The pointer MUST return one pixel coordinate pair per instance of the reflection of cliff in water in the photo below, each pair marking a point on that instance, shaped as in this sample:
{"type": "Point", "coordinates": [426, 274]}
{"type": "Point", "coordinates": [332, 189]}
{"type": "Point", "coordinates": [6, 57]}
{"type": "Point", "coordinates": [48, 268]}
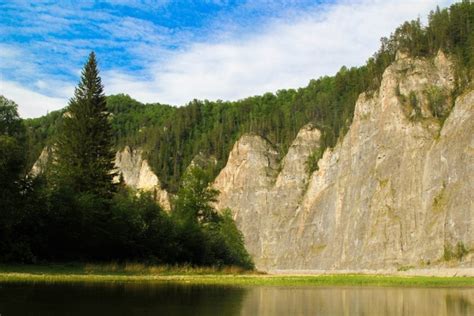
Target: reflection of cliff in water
{"type": "Point", "coordinates": [358, 301]}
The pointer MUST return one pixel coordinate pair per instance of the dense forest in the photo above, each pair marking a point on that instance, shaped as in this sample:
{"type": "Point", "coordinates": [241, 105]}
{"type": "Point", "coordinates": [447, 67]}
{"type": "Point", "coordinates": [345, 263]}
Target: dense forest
{"type": "Point", "coordinates": [60, 217]}
{"type": "Point", "coordinates": [76, 211]}
{"type": "Point", "coordinates": [173, 136]}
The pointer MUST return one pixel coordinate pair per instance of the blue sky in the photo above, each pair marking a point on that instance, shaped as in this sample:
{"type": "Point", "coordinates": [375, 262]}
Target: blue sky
{"type": "Point", "coordinates": [175, 51]}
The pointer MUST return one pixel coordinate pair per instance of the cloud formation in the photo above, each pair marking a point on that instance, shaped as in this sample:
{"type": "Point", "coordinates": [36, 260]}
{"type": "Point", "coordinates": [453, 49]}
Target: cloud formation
{"type": "Point", "coordinates": [284, 53]}
{"type": "Point", "coordinates": [227, 59]}
{"type": "Point", "coordinates": [31, 103]}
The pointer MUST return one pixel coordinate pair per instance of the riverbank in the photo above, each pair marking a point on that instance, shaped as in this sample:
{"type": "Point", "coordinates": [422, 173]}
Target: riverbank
{"type": "Point", "coordinates": [88, 273]}
{"type": "Point", "coordinates": [405, 271]}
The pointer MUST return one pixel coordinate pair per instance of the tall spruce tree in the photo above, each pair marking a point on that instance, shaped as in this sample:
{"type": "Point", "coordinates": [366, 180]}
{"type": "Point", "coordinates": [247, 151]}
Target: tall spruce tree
{"type": "Point", "coordinates": [84, 155]}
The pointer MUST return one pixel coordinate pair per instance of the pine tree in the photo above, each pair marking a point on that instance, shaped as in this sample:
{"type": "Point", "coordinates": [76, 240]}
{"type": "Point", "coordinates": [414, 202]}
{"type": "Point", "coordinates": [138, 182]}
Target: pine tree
{"type": "Point", "coordinates": [84, 156]}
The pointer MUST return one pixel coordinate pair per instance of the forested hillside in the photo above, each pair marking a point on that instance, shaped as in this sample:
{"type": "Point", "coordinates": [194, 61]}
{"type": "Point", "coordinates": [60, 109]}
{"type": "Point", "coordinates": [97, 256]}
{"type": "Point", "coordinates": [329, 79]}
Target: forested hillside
{"type": "Point", "coordinates": [173, 136]}
{"type": "Point", "coordinates": [75, 211]}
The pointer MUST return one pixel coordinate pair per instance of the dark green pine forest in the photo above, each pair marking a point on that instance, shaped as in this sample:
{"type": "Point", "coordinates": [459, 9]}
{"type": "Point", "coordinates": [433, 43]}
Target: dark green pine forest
{"type": "Point", "coordinates": [74, 212]}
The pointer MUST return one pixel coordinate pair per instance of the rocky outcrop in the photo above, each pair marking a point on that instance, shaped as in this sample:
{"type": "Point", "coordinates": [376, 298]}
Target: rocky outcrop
{"type": "Point", "coordinates": [131, 166]}
{"type": "Point", "coordinates": [396, 191]}
{"type": "Point", "coordinates": [264, 198]}
{"type": "Point", "coordinates": [41, 163]}
{"type": "Point", "coordinates": [137, 174]}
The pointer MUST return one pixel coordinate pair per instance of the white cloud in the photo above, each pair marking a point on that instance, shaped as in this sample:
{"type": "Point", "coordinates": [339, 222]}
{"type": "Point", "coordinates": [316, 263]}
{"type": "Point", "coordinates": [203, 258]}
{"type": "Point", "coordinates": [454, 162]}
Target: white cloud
{"type": "Point", "coordinates": [30, 103]}
{"type": "Point", "coordinates": [232, 62]}
{"type": "Point", "coordinates": [285, 53]}
{"type": "Point", "coordinates": [45, 94]}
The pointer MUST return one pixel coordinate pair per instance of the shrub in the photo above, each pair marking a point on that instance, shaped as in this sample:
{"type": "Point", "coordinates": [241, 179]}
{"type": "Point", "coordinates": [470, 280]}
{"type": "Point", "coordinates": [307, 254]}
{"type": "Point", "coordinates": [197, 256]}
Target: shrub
{"type": "Point", "coordinates": [312, 162]}
{"type": "Point", "coordinates": [457, 252]}
{"type": "Point", "coordinates": [437, 100]}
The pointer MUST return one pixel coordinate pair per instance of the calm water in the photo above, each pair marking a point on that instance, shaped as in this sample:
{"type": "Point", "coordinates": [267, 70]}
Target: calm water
{"type": "Point", "coordinates": [171, 299]}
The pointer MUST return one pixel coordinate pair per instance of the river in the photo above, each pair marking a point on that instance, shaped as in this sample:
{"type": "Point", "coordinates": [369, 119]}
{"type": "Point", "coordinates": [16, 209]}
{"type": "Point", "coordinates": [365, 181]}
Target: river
{"type": "Point", "coordinates": [178, 299]}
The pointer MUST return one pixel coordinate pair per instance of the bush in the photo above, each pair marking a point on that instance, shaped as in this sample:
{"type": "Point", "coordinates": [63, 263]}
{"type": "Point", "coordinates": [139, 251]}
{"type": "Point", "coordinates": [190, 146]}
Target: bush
{"type": "Point", "coordinates": [233, 243]}
{"type": "Point", "coordinates": [457, 252]}
{"type": "Point", "coordinates": [437, 102]}
{"type": "Point", "coordinates": [313, 159]}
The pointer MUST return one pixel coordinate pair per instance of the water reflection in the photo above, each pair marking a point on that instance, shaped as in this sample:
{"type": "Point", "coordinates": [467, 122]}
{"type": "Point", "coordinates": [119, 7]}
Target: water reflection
{"type": "Point", "coordinates": [358, 301]}
{"type": "Point", "coordinates": [119, 299]}
{"type": "Point", "coordinates": [173, 299]}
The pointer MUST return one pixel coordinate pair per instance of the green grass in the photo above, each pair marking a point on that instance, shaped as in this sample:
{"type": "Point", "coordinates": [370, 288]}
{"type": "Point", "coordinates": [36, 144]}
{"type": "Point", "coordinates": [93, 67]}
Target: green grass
{"type": "Point", "coordinates": [90, 273]}
{"type": "Point", "coordinates": [119, 269]}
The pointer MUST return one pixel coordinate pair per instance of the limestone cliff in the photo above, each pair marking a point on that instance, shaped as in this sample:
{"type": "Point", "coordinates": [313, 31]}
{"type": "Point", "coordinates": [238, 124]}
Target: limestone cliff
{"type": "Point", "coordinates": [137, 174]}
{"type": "Point", "coordinates": [41, 163]}
{"type": "Point", "coordinates": [135, 170]}
{"type": "Point", "coordinates": [395, 191]}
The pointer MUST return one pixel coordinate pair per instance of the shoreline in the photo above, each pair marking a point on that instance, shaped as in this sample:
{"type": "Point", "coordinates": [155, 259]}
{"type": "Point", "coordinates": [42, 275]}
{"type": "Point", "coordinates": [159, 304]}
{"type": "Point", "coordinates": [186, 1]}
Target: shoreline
{"type": "Point", "coordinates": [415, 272]}
{"type": "Point", "coordinates": [344, 280]}
{"type": "Point", "coordinates": [77, 273]}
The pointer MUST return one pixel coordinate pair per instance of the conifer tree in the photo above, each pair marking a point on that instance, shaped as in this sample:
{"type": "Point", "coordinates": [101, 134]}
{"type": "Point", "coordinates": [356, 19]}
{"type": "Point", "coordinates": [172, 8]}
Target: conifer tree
{"type": "Point", "coordinates": [84, 156]}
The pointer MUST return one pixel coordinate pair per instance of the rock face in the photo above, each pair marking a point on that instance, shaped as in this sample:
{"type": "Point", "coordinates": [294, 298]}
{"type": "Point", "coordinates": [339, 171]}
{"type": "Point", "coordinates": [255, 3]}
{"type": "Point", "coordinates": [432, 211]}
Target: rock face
{"type": "Point", "coordinates": [41, 163]}
{"type": "Point", "coordinates": [137, 174]}
{"type": "Point", "coordinates": [135, 170]}
{"type": "Point", "coordinates": [396, 191]}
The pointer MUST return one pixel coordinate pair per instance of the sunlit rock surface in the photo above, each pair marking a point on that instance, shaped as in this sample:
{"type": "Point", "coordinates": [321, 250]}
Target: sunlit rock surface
{"type": "Point", "coordinates": [396, 191]}
{"type": "Point", "coordinates": [137, 174]}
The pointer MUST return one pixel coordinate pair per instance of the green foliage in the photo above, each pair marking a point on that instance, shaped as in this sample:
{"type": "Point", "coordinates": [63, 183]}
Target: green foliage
{"type": "Point", "coordinates": [41, 132]}
{"type": "Point", "coordinates": [195, 197]}
{"type": "Point", "coordinates": [11, 159]}
{"type": "Point", "coordinates": [84, 226]}
{"type": "Point", "coordinates": [10, 122]}
{"type": "Point", "coordinates": [22, 222]}
{"type": "Point", "coordinates": [74, 212]}
{"type": "Point", "coordinates": [410, 105]}
{"type": "Point", "coordinates": [228, 242]}
{"type": "Point", "coordinates": [130, 117]}
{"type": "Point", "coordinates": [457, 252]}
{"type": "Point", "coordinates": [56, 223]}
{"type": "Point", "coordinates": [312, 162]}
{"type": "Point", "coordinates": [145, 231]}
{"type": "Point", "coordinates": [437, 102]}
{"type": "Point", "coordinates": [84, 155]}
{"type": "Point", "coordinates": [413, 100]}
{"type": "Point", "coordinates": [12, 162]}
{"type": "Point", "coordinates": [12, 144]}
{"type": "Point", "coordinates": [205, 236]}
{"type": "Point", "coordinates": [448, 253]}
{"type": "Point", "coordinates": [461, 250]}
{"type": "Point", "coordinates": [405, 268]}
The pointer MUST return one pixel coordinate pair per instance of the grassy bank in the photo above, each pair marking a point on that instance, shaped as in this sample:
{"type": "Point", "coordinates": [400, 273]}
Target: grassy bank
{"type": "Point", "coordinates": [91, 273]}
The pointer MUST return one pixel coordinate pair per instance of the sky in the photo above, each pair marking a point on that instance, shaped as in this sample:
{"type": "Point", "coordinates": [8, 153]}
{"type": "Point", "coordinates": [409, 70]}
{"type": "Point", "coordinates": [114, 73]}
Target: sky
{"type": "Point", "coordinates": [172, 52]}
